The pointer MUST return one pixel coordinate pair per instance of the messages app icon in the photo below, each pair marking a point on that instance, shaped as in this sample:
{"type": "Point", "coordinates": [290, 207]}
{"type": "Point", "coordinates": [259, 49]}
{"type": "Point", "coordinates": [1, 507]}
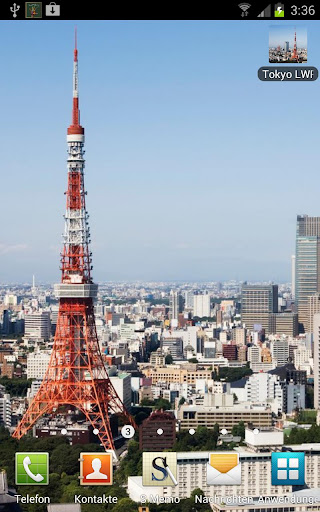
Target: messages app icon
{"type": "Point", "coordinates": [32, 468]}
{"type": "Point", "coordinates": [224, 469]}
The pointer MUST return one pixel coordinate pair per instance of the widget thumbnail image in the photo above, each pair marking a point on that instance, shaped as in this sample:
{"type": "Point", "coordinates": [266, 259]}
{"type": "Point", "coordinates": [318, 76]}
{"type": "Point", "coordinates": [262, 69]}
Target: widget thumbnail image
{"type": "Point", "coordinates": [287, 45]}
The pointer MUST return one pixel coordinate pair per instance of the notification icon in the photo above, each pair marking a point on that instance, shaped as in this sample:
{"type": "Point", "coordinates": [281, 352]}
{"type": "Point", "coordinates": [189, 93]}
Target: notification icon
{"type": "Point", "coordinates": [279, 11]}
{"type": "Point", "coordinates": [96, 468]}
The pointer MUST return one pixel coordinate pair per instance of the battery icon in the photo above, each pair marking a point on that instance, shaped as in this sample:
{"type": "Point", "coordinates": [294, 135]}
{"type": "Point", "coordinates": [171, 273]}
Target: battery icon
{"type": "Point", "coordinates": [279, 11]}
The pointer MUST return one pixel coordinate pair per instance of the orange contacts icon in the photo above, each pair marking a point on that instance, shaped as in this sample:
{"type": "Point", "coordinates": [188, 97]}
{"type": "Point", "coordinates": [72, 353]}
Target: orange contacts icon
{"type": "Point", "coordinates": [96, 468]}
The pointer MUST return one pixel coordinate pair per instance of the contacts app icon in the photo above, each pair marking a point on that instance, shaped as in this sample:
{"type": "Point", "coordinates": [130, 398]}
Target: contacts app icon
{"type": "Point", "coordinates": [96, 468]}
{"type": "Point", "coordinates": [224, 469]}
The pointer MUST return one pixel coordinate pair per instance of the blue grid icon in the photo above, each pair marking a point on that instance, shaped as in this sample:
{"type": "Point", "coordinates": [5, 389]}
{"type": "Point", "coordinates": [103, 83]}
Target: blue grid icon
{"type": "Point", "coordinates": [287, 468]}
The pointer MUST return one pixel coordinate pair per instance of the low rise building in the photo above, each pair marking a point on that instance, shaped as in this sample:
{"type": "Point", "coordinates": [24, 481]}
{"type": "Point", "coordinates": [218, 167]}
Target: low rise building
{"type": "Point", "coordinates": [193, 416]}
{"type": "Point", "coordinates": [37, 364]}
{"type": "Point", "coordinates": [149, 437]}
{"type": "Point", "coordinates": [188, 373]}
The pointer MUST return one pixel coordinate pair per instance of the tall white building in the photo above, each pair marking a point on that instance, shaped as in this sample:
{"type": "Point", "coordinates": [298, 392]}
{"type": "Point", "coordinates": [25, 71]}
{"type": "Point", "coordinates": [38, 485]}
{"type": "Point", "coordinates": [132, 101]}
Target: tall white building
{"type": "Point", "coordinates": [201, 305]}
{"type": "Point", "coordinates": [5, 408]}
{"type": "Point", "coordinates": [302, 358]}
{"type": "Point", "coordinates": [37, 364]}
{"type": "Point", "coordinates": [188, 297]}
{"type": "Point", "coordinates": [280, 352]}
{"type": "Point", "coordinates": [254, 354]}
{"type": "Point", "coordinates": [263, 388]}
{"type": "Point", "coordinates": [37, 325]}
{"type": "Point", "coordinates": [175, 303]}
{"type": "Point", "coordinates": [122, 384]}
{"type": "Point", "coordinates": [188, 335]}
{"type": "Point", "coordinates": [239, 335]}
{"type": "Point", "coordinates": [316, 362]}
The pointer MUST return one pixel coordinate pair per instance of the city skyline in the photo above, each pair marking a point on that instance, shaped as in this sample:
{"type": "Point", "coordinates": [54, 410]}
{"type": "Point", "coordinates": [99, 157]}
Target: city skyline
{"type": "Point", "coordinates": [135, 182]}
{"type": "Point", "coordinates": [278, 36]}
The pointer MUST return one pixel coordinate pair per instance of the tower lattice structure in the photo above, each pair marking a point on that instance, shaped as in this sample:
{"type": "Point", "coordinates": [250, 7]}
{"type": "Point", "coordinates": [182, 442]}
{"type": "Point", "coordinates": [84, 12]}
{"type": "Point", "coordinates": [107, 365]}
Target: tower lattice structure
{"type": "Point", "coordinates": [76, 375]}
{"type": "Point", "coordinates": [295, 55]}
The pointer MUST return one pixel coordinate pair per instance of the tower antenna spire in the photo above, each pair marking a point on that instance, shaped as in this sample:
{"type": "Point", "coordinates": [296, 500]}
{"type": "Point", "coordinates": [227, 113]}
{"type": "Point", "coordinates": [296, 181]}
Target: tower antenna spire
{"type": "Point", "coordinates": [75, 128]}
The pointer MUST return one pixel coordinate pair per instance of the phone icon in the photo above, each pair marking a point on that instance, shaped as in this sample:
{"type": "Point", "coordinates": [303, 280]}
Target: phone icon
{"type": "Point", "coordinates": [26, 464]}
{"type": "Point", "coordinates": [32, 468]}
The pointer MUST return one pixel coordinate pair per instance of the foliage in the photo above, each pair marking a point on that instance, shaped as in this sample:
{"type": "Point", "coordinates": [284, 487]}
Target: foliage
{"type": "Point", "coordinates": [307, 416]}
{"type": "Point", "coordinates": [182, 400]}
{"type": "Point", "coordinates": [15, 387]}
{"type": "Point", "coordinates": [203, 439]}
{"type": "Point", "coordinates": [193, 360]}
{"type": "Point", "coordinates": [205, 319]}
{"type": "Point", "coordinates": [232, 374]}
{"type": "Point", "coordinates": [146, 402]}
{"type": "Point", "coordinates": [131, 464]}
{"type": "Point", "coordinates": [239, 430]}
{"type": "Point", "coordinates": [299, 435]}
{"type": "Point", "coordinates": [309, 397]}
{"type": "Point", "coordinates": [168, 359]}
{"type": "Point", "coordinates": [160, 403]}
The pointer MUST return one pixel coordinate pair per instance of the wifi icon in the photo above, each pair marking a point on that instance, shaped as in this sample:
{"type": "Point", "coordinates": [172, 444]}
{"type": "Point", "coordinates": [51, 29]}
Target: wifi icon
{"type": "Point", "coordinates": [244, 8]}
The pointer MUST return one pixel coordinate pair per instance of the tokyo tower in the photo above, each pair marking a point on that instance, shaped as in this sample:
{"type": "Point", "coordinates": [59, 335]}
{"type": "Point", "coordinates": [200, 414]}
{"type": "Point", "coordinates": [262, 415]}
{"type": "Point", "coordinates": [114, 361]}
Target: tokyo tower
{"type": "Point", "coordinates": [76, 375]}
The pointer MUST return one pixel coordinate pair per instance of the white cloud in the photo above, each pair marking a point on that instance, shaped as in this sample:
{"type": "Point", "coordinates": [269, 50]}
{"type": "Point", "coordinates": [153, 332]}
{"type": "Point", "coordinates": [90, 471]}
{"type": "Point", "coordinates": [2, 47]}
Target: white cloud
{"type": "Point", "coordinates": [7, 248]}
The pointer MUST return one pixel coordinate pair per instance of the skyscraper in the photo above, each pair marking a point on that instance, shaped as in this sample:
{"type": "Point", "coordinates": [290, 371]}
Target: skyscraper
{"type": "Point", "coordinates": [316, 369]}
{"type": "Point", "coordinates": [175, 304]}
{"type": "Point", "coordinates": [257, 304]}
{"type": "Point", "coordinates": [201, 305]}
{"type": "Point", "coordinates": [307, 264]}
{"type": "Point", "coordinates": [313, 308]}
{"type": "Point", "coordinates": [293, 276]}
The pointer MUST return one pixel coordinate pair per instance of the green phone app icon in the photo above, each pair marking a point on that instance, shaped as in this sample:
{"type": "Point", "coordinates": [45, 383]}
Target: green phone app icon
{"type": "Point", "coordinates": [32, 468]}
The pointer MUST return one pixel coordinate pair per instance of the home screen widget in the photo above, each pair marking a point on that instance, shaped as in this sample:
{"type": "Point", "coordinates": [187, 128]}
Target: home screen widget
{"type": "Point", "coordinates": [224, 469]}
{"type": "Point", "coordinates": [287, 468]}
{"type": "Point", "coordinates": [159, 469]}
{"type": "Point", "coordinates": [96, 468]}
{"type": "Point", "coordinates": [32, 468]}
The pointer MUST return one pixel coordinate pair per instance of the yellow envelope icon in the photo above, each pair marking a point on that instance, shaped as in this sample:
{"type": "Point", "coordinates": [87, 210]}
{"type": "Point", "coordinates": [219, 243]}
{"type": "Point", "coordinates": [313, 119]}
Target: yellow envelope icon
{"type": "Point", "coordinates": [223, 469]}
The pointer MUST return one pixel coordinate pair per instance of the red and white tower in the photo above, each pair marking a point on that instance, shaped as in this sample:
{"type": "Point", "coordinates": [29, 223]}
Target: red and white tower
{"type": "Point", "coordinates": [76, 375]}
{"type": "Point", "coordinates": [294, 55]}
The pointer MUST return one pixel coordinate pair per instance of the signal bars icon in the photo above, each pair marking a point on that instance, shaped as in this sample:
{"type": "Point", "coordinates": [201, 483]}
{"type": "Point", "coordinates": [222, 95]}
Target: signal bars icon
{"type": "Point", "coordinates": [244, 7]}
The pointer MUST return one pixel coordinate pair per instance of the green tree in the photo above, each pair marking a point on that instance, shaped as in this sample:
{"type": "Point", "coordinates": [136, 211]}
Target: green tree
{"type": "Point", "coordinates": [125, 505]}
{"type": "Point", "coordinates": [232, 374]}
{"type": "Point", "coordinates": [147, 402]}
{"type": "Point", "coordinates": [162, 403]}
{"type": "Point", "coordinates": [168, 359]}
{"type": "Point", "coordinates": [239, 430]}
{"type": "Point", "coordinates": [15, 387]}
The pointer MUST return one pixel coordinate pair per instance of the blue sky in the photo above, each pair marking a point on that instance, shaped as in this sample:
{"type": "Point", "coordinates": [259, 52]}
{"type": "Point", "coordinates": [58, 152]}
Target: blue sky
{"type": "Point", "coordinates": [194, 168]}
{"type": "Point", "coordinates": [278, 34]}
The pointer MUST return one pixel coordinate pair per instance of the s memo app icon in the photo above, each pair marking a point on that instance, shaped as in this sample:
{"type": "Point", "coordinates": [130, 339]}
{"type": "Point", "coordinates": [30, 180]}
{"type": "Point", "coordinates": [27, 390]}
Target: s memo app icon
{"type": "Point", "coordinates": [159, 469]}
